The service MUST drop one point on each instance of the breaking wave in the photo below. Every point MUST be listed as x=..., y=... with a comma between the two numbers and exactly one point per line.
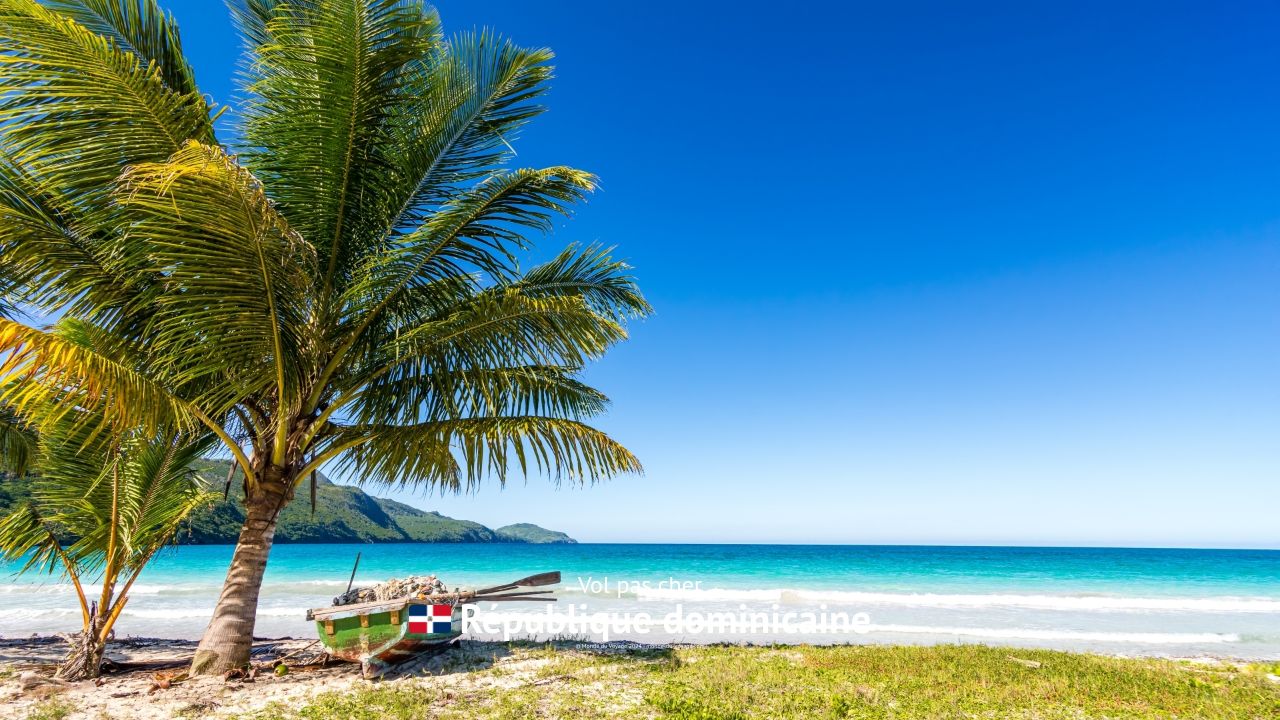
x=1145, y=638
x=1087, y=603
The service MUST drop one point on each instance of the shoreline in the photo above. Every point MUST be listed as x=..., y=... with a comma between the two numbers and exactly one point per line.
x=147, y=678
x=1167, y=603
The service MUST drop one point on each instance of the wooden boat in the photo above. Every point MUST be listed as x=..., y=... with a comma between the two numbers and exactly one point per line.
x=382, y=634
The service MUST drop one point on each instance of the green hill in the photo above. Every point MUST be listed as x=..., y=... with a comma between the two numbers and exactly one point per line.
x=343, y=513
x=530, y=533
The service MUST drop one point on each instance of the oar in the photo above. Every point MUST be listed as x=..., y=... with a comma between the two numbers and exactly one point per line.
x=353, y=572
x=515, y=596
x=515, y=592
x=546, y=578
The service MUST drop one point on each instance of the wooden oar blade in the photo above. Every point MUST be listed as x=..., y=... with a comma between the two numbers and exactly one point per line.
x=546, y=578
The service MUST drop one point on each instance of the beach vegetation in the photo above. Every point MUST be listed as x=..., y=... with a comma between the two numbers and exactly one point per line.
x=344, y=281
x=100, y=507
x=51, y=709
x=800, y=682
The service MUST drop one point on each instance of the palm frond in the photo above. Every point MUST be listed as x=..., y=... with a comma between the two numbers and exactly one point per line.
x=75, y=108
x=57, y=260
x=325, y=80
x=79, y=474
x=444, y=393
x=27, y=538
x=53, y=373
x=123, y=494
x=592, y=274
x=9, y=283
x=553, y=319
x=204, y=223
x=251, y=18
x=146, y=479
x=563, y=312
x=140, y=27
x=457, y=454
x=495, y=329
x=473, y=102
x=478, y=230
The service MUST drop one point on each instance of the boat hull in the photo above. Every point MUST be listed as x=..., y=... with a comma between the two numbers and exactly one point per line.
x=382, y=636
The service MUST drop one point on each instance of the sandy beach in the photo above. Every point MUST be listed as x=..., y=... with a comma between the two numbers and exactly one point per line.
x=143, y=681
x=146, y=679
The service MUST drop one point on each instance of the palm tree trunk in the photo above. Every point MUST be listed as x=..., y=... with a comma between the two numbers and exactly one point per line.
x=84, y=658
x=229, y=637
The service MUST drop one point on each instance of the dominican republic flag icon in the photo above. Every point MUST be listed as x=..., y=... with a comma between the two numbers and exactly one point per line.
x=430, y=618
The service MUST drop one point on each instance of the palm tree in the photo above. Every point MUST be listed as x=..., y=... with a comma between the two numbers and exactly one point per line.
x=342, y=286
x=102, y=507
x=102, y=504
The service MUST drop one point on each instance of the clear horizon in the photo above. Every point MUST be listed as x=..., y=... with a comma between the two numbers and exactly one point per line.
x=1005, y=277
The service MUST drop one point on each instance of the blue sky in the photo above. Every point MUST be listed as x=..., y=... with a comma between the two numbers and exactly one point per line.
x=1001, y=273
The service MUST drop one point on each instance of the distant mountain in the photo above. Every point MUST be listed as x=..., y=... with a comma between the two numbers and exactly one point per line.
x=530, y=533
x=425, y=526
x=343, y=514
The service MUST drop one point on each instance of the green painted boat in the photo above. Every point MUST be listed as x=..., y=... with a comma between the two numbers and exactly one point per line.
x=385, y=633
x=381, y=635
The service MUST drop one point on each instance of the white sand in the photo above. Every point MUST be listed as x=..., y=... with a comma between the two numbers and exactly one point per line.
x=28, y=666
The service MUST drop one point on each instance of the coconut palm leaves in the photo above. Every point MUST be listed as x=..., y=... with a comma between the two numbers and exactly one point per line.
x=140, y=28
x=344, y=285
x=84, y=92
x=77, y=106
x=117, y=500
x=54, y=375
x=208, y=227
x=101, y=508
x=341, y=262
x=17, y=442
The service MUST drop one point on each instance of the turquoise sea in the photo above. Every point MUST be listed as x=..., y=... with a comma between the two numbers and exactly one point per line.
x=1128, y=601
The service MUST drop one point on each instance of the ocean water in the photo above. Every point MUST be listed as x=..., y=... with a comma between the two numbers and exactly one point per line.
x=1180, y=603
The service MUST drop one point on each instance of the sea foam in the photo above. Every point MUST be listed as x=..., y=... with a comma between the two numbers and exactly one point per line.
x=1087, y=603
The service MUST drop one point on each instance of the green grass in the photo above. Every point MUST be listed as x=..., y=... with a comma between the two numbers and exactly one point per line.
x=52, y=709
x=728, y=683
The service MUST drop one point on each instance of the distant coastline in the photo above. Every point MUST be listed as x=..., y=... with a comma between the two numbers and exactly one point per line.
x=342, y=514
